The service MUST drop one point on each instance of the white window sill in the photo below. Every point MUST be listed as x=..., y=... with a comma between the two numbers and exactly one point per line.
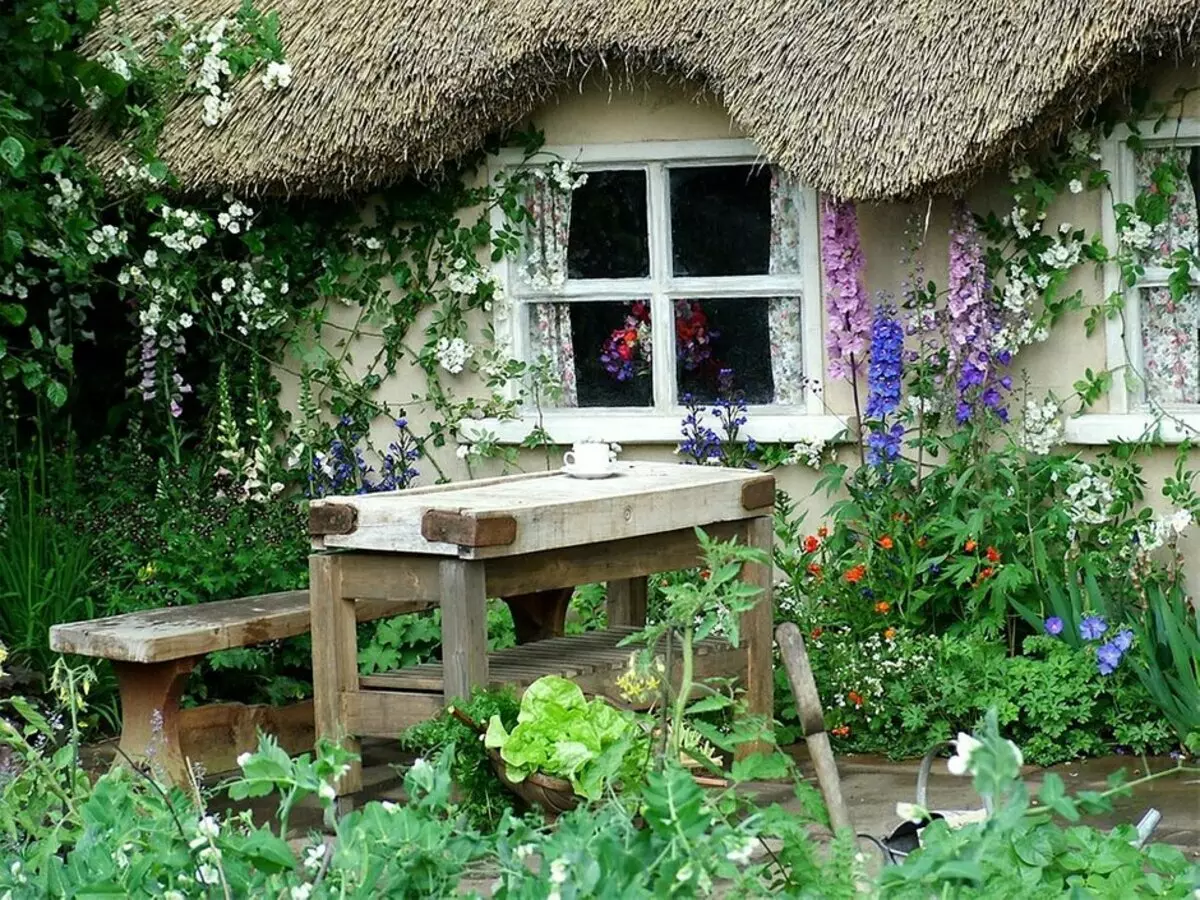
x=648, y=427
x=1105, y=428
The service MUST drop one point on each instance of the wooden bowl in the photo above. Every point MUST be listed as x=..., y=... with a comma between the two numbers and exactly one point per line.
x=553, y=796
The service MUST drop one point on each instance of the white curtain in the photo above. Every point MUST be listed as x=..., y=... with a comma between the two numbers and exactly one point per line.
x=546, y=269
x=1170, y=328
x=783, y=313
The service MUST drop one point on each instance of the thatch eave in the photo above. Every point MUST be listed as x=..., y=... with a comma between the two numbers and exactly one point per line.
x=867, y=99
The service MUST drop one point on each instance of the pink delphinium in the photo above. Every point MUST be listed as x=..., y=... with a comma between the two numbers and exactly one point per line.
x=970, y=328
x=846, y=301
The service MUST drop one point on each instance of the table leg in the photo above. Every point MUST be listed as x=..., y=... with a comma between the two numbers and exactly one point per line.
x=756, y=628
x=626, y=603
x=464, y=628
x=335, y=659
x=540, y=615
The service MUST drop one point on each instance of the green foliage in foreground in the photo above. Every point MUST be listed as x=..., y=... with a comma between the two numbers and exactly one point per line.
x=126, y=835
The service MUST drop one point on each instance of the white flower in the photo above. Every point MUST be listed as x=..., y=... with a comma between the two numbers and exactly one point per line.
x=208, y=874
x=116, y=63
x=1138, y=234
x=244, y=757
x=960, y=763
x=558, y=871
x=301, y=891
x=209, y=827
x=313, y=856
x=810, y=453
x=1076, y=186
x=150, y=259
x=1020, y=173
x=185, y=320
x=278, y=75
x=373, y=243
x=452, y=354
x=463, y=451
x=523, y=851
x=326, y=791
x=740, y=856
x=1042, y=428
x=228, y=284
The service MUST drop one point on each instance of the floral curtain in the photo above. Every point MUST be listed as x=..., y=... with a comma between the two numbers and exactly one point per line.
x=545, y=269
x=783, y=313
x=1170, y=328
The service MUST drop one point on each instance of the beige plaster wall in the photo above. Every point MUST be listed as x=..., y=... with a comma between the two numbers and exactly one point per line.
x=597, y=112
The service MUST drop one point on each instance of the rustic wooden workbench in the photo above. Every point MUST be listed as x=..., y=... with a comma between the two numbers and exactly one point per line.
x=529, y=539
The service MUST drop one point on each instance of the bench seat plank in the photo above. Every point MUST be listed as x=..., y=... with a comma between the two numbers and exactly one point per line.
x=161, y=635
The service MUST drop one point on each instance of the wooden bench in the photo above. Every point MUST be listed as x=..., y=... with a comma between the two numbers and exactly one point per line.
x=154, y=652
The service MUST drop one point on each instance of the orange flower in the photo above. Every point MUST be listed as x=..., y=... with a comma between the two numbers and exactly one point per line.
x=855, y=575
x=816, y=632
x=882, y=607
x=993, y=555
x=840, y=731
x=889, y=634
x=922, y=541
x=886, y=543
x=970, y=545
x=705, y=574
x=855, y=697
x=811, y=544
x=986, y=573
x=814, y=569
x=822, y=531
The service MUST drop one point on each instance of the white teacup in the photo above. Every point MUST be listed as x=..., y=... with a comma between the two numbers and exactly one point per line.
x=589, y=457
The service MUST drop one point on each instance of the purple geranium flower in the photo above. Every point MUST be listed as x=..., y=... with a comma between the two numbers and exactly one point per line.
x=1108, y=657
x=1124, y=640
x=1054, y=625
x=1092, y=628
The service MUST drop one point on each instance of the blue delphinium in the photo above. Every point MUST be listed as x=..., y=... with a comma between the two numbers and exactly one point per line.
x=343, y=468
x=716, y=446
x=885, y=375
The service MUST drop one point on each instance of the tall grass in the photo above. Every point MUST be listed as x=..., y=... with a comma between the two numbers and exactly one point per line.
x=1169, y=664
x=44, y=571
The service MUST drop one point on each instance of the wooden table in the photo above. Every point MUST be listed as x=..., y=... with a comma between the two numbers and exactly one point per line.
x=529, y=539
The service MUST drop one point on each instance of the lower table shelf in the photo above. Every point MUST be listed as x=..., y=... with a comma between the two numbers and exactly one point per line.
x=592, y=660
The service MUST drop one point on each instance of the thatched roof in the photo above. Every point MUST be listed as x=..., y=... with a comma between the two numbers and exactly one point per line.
x=862, y=98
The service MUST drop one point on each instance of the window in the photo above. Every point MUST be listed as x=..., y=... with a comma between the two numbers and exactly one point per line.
x=668, y=265
x=1158, y=339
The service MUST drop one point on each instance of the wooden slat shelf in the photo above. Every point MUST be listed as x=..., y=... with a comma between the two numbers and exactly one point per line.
x=593, y=660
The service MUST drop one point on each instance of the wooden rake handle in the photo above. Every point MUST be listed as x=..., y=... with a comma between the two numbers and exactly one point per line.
x=812, y=721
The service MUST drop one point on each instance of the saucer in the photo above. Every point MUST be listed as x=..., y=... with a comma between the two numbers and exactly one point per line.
x=573, y=472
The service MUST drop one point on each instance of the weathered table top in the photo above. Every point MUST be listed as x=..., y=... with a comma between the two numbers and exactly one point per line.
x=521, y=514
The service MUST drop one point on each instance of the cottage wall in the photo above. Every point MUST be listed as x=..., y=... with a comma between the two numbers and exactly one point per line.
x=598, y=113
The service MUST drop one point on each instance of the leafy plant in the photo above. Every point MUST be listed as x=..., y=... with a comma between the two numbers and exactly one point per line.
x=1168, y=634
x=561, y=733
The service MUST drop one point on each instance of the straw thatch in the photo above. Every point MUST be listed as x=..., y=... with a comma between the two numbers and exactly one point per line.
x=861, y=98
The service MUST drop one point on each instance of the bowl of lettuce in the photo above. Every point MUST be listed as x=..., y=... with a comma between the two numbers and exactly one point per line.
x=563, y=743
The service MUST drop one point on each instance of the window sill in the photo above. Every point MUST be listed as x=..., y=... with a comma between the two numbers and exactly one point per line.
x=648, y=427
x=1093, y=429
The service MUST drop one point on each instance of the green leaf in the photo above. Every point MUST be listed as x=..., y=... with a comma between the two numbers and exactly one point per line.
x=13, y=313
x=12, y=152
x=268, y=852
x=1054, y=795
x=56, y=393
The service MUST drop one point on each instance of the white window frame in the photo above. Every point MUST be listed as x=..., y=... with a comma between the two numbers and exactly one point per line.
x=660, y=424
x=1128, y=419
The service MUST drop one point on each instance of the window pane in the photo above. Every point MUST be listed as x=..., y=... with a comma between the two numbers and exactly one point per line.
x=609, y=236
x=711, y=335
x=601, y=351
x=1171, y=346
x=721, y=220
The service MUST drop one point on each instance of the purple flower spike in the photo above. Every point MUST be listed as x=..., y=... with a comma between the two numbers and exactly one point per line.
x=1092, y=628
x=1108, y=657
x=1054, y=625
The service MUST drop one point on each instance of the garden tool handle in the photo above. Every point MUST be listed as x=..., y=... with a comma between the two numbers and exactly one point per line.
x=812, y=721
